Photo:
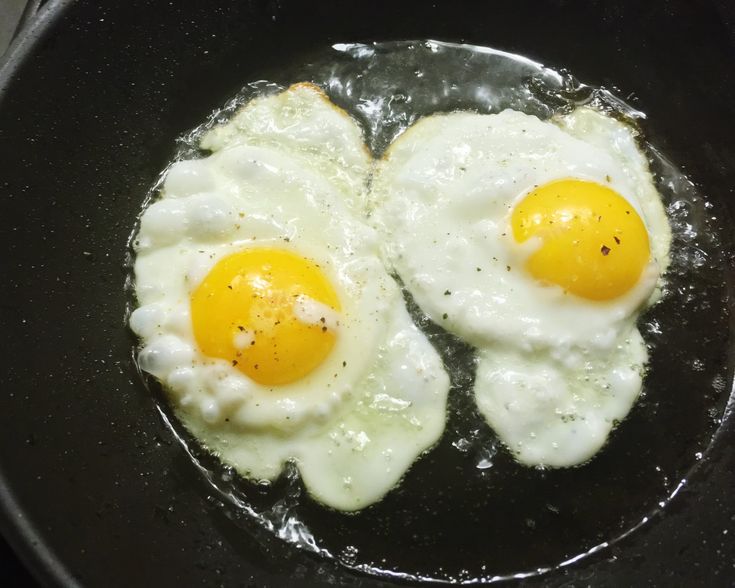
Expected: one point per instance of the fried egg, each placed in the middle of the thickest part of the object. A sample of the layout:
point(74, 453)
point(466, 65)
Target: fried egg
point(538, 242)
point(268, 316)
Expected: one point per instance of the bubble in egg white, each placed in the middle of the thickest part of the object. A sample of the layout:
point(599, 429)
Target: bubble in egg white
point(181, 378)
point(146, 320)
point(210, 217)
point(232, 391)
point(210, 410)
point(164, 222)
point(163, 354)
point(185, 178)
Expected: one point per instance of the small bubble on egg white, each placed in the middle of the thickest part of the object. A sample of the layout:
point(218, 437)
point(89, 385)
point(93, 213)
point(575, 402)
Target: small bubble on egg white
point(210, 411)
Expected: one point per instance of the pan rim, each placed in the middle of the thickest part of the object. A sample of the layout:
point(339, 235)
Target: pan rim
point(23, 537)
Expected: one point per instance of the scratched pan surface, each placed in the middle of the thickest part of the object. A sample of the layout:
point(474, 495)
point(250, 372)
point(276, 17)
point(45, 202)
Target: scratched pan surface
point(96, 490)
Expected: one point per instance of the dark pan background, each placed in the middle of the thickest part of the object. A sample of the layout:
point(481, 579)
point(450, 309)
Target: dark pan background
point(14, 573)
point(95, 490)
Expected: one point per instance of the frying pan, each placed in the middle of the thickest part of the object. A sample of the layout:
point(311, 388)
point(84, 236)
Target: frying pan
point(95, 489)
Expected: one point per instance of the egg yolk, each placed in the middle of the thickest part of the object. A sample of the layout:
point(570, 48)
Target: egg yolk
point(245, 311)
point(593, 242)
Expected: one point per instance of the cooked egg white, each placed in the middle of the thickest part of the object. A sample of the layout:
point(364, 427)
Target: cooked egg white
point(304, 123)
point(268, 316)
point(538, 243)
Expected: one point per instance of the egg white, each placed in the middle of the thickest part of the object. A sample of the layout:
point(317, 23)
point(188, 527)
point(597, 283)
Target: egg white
point(555, 408)
point(304, 123)
point(442, 198)
point(358, 421)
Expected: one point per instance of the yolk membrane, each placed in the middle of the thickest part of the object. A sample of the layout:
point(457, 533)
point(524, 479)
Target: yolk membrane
point(243, 312)
point(593, 242)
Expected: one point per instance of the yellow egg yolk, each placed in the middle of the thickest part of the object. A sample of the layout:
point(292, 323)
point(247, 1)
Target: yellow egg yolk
point(245, 311)
point(593, 242)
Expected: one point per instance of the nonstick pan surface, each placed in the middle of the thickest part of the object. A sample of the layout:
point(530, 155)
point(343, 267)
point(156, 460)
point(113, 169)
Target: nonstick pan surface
point(96, 491)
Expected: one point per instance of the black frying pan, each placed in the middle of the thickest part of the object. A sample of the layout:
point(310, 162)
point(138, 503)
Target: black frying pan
point(95, 489)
